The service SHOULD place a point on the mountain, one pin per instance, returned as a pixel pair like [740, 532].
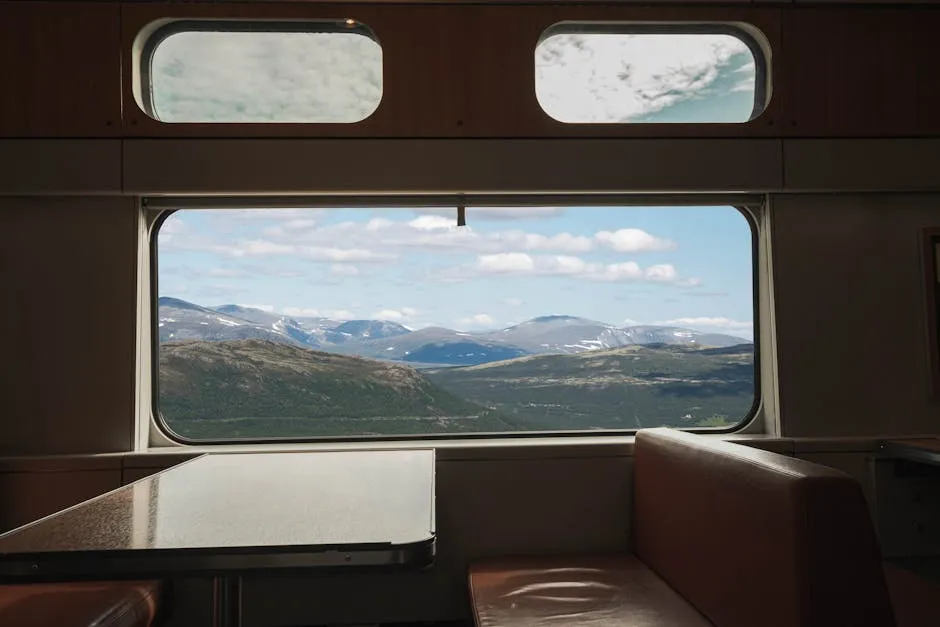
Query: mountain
[569, 334]
[434, 346]
[623, 388]
[180, 320]
[256, 387]
[276, 322]
[353, 330]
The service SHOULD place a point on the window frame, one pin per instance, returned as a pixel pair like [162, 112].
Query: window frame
[253, 25]
[158, 210]
[747, 34]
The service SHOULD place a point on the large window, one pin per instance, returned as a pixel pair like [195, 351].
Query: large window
[231, 71]
[633, 73]
[385, 322]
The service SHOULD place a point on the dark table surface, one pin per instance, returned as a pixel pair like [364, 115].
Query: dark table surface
[223, 513]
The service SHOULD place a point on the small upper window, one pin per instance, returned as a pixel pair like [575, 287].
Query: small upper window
[262, 72]
[649, 74]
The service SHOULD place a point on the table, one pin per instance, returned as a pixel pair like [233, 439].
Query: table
[226, 514]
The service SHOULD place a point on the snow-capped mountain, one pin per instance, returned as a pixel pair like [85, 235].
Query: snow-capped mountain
[379, 339]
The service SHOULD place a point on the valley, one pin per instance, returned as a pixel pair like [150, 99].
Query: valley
[238, 373]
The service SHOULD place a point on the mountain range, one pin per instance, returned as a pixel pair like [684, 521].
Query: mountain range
[432, 346]
[253, 388]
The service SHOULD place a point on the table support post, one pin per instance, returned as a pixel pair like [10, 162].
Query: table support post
[227, 601]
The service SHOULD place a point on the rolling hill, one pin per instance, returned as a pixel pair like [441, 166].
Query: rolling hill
[623, 388]
[251, 388]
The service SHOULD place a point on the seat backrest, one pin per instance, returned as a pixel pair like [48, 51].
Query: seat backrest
[751, 537]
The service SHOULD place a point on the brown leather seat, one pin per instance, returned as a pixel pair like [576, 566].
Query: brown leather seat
[916, 599]
[110, 604]
[723, 535]
[600, 591]
[751, 537]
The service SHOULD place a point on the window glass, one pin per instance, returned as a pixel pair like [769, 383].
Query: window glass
[228, 75]
[355, 322]
[633, 77]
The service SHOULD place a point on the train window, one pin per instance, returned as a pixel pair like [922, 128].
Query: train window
[261, 72]
[615, 73]
[395, 322]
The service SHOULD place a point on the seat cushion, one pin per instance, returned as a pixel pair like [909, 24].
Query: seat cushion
[107, 604]
[569, 591]
[916, 599]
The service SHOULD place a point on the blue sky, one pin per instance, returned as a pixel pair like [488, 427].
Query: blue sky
[688, 266]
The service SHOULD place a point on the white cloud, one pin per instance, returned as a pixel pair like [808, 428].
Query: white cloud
[633, 241]
[258, 76]
[301, 312]
[432, 223]
[266, 248]
[514, 302]
[713, 322]
[395, 315]
[225, 273]
[523, 264]
[506, 262]
[494, 213]
[615, 77]
[344, 269]
[305, 312]
[478, 320]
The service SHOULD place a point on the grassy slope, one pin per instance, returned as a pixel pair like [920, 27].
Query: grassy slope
[624, 388]
[244, 388]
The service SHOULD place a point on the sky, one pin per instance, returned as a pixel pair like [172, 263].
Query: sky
[684, 266]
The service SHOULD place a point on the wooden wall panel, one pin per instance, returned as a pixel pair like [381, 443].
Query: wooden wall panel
[61, 69]
[28, 496]
[69, 268]
[860, 72]
[450, 71]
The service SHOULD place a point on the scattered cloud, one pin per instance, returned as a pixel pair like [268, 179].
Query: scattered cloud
[514, 302]
[395, 315]
[616, 78]
[633, 241]
[306, 312]
[494, 213]
[477, 321]
[713, 322]
[523, 264]
[263, 77]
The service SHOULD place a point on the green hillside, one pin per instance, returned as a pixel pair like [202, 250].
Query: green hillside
[624, 388]
[257, 388]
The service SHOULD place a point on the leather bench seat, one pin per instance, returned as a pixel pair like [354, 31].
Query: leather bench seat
[107, 604]
[596, 591]
[724, 535]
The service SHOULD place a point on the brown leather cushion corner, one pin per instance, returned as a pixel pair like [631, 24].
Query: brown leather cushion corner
[751, 537]
[916, 599]
[575, 591]
[104, 604]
